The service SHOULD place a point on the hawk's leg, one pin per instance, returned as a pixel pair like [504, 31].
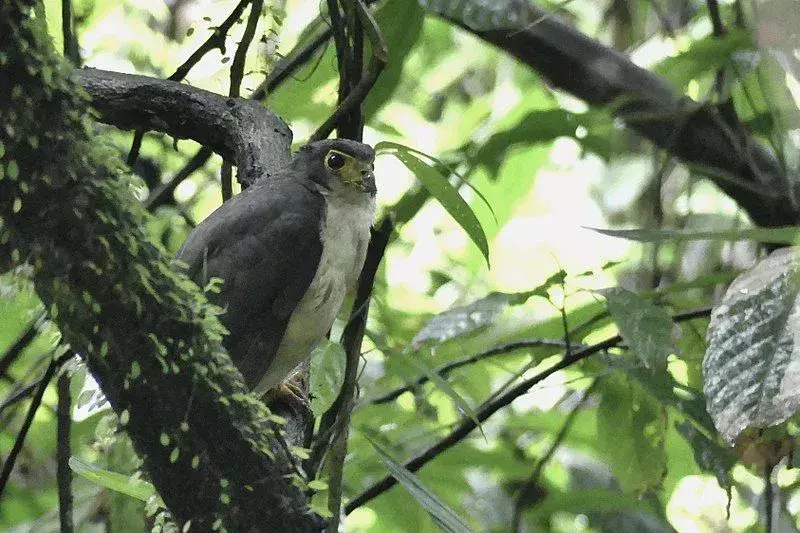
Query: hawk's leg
[291, 392]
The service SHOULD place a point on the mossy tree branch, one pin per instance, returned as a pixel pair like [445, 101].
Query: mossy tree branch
[146, 332]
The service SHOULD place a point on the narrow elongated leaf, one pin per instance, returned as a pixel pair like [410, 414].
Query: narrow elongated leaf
[442, 514]
[780, 235]
[443, 191]
[136, 488]
[422, 367]
[752, 366]
[631, 430]
[328, 360]
[646, 327]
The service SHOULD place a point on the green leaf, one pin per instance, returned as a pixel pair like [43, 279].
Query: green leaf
[442, 514]
[328, 362]
[705, 56]
[400, 39]
[544, 126]
[136, 488]
[750, 368]
[779, 235]
[465, 319]
[443, 191]
[646, 327]
[631, 428]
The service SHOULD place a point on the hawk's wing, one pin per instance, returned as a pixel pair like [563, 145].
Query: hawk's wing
[265, 245]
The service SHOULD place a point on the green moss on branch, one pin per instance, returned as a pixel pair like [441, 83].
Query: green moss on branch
[146, 331]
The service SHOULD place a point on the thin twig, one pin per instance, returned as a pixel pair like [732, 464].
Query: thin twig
[136, 146]
[29, 389]
[719, 31]
[527, 490]
[354, 99]
[237, 75]
[8, 465]
[351, 339]
[768, 497]
[63, 451]
[444, 370]
[22, 342]
[215, 41]
[237, 67]
[487, 409]
[162, 194]
[71, 48]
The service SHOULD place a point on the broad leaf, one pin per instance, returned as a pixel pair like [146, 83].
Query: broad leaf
[441, 189]
[462, 320]
[328, 362]
[752, 365]
[646, 327]
[442, 514]
[706, 55]
[544, 126]
[136, 488]
[780, 235]
[400, 39]
[631, 430]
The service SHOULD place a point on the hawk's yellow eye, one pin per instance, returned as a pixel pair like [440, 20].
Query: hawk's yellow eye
[334, 161]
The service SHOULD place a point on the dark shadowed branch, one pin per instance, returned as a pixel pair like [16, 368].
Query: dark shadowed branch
[63, 451]
[338, 417]
[528, 489]
[445, 369]
[237, 75]
[241, 131]
[11, 459]
[22, 342]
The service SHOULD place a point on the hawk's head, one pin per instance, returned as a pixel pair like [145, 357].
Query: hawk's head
[337, 164]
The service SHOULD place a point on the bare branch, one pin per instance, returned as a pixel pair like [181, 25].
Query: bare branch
[241, 131]
[444, 370]
[63, 472]
[11, 459]
[531, 483]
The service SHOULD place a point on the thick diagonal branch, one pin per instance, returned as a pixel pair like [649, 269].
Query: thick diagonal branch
[242, 131]
[696, 134]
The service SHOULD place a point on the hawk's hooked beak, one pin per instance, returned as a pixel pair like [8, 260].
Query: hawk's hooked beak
[361, 175]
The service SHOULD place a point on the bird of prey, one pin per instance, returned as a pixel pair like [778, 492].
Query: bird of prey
[287, 248]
